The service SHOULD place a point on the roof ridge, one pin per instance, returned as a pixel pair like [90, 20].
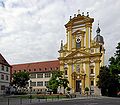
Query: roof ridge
[35, 62]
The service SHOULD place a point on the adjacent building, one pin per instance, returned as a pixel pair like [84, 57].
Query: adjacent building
[40, 73]
[82, 56]
[5, 70]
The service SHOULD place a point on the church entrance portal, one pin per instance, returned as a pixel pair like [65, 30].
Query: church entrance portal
[78, 86]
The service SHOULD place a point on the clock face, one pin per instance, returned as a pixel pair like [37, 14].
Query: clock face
[78, 40]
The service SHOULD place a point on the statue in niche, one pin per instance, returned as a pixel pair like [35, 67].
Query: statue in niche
[78, 68]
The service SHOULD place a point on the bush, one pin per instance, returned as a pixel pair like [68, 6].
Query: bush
[68, 88]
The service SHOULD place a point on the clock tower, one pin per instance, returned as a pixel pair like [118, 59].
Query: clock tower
[81, 56]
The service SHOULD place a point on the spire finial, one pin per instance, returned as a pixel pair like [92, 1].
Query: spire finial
[78, 11]
[74, 15]
[98, 29]
[61, 47]
[87, 14]
[98, 23]
[70, 17]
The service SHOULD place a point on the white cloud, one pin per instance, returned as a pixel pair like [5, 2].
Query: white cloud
[31, 30]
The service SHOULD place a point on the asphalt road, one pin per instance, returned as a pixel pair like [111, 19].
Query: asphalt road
[93, 101]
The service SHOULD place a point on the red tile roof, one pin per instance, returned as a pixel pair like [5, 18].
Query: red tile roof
[45, 66]
[3, 61]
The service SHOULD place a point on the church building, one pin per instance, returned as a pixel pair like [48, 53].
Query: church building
[82, 56]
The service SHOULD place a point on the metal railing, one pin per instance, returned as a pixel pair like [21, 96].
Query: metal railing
[44, 98]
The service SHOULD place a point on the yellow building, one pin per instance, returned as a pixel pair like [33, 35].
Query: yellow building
[81, 56]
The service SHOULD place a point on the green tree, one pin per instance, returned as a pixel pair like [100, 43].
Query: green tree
[63, 83]
[53, 82]
[87, 90]
[104, 80]
[109, 77]
[114, 67]
[20, 79]
[56, 81]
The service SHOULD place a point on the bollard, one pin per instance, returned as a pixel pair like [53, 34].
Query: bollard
[52, 97]
[20, 100]
[46, 98]
[30, 98]
[58, 97]
[8, 101]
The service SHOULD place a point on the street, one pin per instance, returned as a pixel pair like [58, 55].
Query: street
[89, 101]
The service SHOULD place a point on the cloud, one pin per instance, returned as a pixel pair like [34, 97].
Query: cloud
[31, 30]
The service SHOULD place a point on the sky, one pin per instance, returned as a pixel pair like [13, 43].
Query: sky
[31, 30]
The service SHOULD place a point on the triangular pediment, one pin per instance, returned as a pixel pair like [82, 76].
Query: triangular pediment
[78, 54]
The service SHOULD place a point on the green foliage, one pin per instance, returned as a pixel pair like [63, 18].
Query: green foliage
[68, 88]
[86, 89]
[109, 79]
[20, 79]
[57, 80]
[53, 82]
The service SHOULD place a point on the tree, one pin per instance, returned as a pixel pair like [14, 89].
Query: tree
[56, 81]
[115, 71]
[53, 82]
[104, 80]
[87, 90]
[63, 83]
[109, 77]
[20, 79]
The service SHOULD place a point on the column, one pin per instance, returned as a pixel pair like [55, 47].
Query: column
[69, 75]
[87, 78]
[82, 42]
[87, 37]
[70, 38]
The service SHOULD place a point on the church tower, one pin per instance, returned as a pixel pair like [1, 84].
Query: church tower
[81, 56]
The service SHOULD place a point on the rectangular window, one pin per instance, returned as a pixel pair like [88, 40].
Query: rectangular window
[40, 83]
[92, 72]
[33, 84]
[2, 68]
[2, 87]
[46, 83]
[47, 75]
[32, 75]
[2, 77]
[40, 75]
[7, 78]
[7, 69]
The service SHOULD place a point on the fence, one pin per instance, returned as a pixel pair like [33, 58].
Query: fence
[24, 100]
[31, 99]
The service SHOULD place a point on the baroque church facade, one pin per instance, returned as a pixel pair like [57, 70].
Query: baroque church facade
[81, 56]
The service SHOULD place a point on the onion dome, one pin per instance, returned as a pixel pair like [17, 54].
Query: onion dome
[98, 38]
